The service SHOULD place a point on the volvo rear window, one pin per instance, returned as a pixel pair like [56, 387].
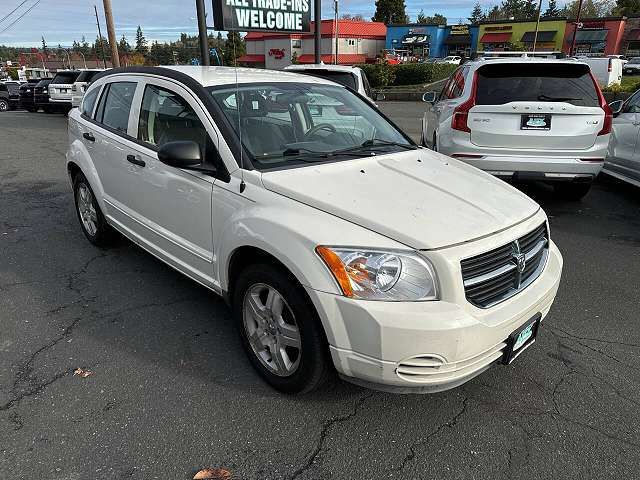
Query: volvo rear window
[343, 78]
[65, 78]
[536, 82]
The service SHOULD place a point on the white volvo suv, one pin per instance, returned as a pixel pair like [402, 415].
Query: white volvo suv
[523, 119]
[335, 243]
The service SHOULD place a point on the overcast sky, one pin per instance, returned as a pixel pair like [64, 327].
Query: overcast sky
[62, 21]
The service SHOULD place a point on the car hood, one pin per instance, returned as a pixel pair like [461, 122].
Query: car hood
[420, 198]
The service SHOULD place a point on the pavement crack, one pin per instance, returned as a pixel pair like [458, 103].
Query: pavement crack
[411, 454]
[325, 431]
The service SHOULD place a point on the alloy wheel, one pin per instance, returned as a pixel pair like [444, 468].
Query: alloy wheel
[88, 214]
[271, 329]
[4, 106]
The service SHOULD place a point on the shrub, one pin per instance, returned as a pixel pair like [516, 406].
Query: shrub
[384, 74]
[379, 74]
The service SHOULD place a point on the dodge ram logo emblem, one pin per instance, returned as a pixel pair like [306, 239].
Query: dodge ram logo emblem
[521, 261]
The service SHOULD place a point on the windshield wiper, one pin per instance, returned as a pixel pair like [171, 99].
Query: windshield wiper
[555, 99]
[374, 142]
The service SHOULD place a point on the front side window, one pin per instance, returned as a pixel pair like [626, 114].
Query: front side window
[89, 101]
[115, 105]
[286, 124]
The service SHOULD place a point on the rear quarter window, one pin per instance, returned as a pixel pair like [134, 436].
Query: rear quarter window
[536, 82]
[65, 78]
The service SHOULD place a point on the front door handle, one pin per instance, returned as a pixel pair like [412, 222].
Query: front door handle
[89, 136]
[135, 161]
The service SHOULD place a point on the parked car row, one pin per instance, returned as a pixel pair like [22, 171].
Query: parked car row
[58, 94]
[535, 119]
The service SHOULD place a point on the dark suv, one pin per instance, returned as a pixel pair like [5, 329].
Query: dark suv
[26, 94]
[9, 96]
[41, 95]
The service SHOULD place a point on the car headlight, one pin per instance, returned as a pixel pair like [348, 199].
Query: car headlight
[370, 274]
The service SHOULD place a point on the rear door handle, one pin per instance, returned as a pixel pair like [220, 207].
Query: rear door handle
[89, 136]
[135, 161]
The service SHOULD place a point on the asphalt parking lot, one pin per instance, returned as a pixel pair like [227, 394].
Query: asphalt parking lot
[171, 390]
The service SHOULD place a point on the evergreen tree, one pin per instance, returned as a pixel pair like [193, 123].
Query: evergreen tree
[421, 18]
[124, 46]
[494, 14]
[141, 42]
[590, 9]
[627, 7]
[552, 10]
[476, 14]
[390, 11]
[512, 9]
[529, 10]
[234, 48]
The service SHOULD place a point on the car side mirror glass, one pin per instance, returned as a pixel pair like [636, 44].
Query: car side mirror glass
[429, 97]
[180, 154]
[379, 96]
[616, 107]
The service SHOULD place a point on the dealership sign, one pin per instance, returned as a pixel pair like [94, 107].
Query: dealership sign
[262, 15]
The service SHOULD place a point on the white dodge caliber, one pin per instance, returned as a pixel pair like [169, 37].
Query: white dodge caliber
[335, 239]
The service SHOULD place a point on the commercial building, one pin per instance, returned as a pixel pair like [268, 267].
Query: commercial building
[518, 34]
[358, 42]
[461, 40]
[414, 40]
[596, 36]
[630, 43]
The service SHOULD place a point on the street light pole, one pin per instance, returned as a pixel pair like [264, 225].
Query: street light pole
[104, 58]
[575, 30]
[535, 37]
[202, 33]
[318, 27]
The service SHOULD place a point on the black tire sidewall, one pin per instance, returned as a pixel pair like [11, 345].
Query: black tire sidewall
[103, 232]
[314, 363]
[5, 106]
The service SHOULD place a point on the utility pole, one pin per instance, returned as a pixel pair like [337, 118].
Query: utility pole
[104, 58]
[535, 37]
[575, 30]
[318, 27]
[335, 5]
[111, 32]
[202, 33]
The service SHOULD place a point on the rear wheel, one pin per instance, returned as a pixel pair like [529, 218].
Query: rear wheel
[94, 226]
[572, 191]
[4, 105]
[279, 329]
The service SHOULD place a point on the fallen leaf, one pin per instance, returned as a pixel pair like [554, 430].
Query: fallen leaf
[213, 474]
[82, 373]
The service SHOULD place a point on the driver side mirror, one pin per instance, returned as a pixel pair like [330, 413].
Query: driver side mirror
[429, 97]
[379, 96]
[180, 154]
[616, 107]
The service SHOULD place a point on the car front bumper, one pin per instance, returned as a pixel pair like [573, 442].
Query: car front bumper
[379, 344]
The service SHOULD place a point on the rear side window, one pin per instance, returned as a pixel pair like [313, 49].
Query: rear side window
[89, 101]
[3, 87]
[65, 78]
[343, 78]
[115, 105]
[536, 82]
[87, 75]
[455, 85]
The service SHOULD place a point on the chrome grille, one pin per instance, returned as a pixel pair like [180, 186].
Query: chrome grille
[500, 273]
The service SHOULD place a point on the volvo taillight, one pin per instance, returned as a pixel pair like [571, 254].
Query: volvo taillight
[608, 114]
[460, 117]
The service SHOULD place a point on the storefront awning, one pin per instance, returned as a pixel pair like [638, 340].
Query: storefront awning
[495, 37]
[546, 36]
[591, 36]
[458, 40]
[251, 59]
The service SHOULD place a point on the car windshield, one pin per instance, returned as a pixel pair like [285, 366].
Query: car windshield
[635, 60]
[288, 124]
[536, 82]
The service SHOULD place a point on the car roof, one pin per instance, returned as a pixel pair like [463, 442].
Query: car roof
[323, 66]
[214, 76]
[493, 60]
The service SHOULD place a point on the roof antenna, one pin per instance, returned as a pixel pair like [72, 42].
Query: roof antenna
[243, 185]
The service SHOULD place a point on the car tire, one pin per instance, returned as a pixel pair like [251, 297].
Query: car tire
[92, 221]
[272, 313]
[572, 191]
[4, 105]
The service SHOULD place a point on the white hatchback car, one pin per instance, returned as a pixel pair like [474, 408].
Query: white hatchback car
[523, 119]
[345, 245]
[352, 77]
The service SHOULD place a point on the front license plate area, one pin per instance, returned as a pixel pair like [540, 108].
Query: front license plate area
[521, 339]
[535, 121]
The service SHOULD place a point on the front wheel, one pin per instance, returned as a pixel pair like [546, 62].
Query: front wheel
[4, 105]
[572, 191]
[280, 330]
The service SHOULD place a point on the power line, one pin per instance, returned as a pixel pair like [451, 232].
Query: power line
[12, 11]
[20, 17]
